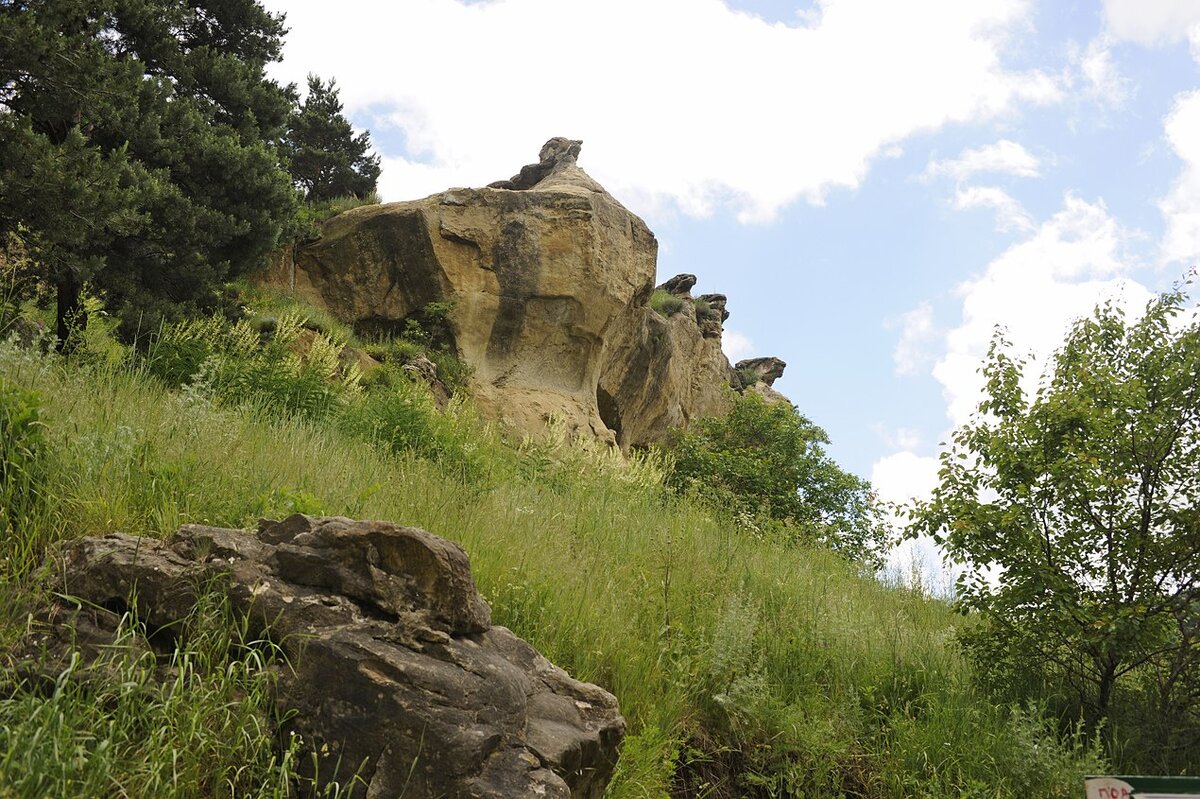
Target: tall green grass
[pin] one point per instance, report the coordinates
(195, 722)
(745, 666)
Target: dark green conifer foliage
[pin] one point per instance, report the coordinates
(138, 147)
(327, 160)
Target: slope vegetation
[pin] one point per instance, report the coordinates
(746, 665)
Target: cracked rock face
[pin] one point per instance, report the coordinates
(393, 661)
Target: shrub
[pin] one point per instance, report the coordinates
(267, 305)
(767, 460)
(400, 416)
(397, 351)
(747, 376)
(666, 303)
(306, 225)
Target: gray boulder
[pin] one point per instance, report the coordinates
(394, 668)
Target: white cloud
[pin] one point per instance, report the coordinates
(1010, 214)
(680, 103)
(900, 478)
(904, 475)
(902, 438)
(1181, 206)
(1151, 22)
(916, 335)
(736, 346)
(1035, 289)
(1102, 81)
(1005, 156)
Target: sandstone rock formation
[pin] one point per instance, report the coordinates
(711, 314)
(394, 664)
(549, 278)
(537, 278)
(758, 375)
(680, 284)
(558, 154)
(762, 370)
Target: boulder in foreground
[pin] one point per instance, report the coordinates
(394, 668)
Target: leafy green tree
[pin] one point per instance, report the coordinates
(138, 147)
(327, 160)
(769, 460)
(1076, 514)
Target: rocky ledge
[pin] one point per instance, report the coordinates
(393, 667)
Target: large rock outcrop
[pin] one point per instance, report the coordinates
(549, 280)
(394, 668)
(537, 275)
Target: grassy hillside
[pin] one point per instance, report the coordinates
(745, 666)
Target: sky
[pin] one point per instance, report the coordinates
(875, 185)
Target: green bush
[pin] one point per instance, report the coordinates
(454, 374)
(397, 351)
(267, 306)
(767, 461)
(310, 216)
(747, 376)
(666, 303)
(400, 416)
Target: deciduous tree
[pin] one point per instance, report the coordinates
(1075, 513)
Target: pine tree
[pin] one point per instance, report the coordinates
(139, 147)
(327, 160)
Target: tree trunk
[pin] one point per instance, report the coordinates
(72, 316)
(1104, 688)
